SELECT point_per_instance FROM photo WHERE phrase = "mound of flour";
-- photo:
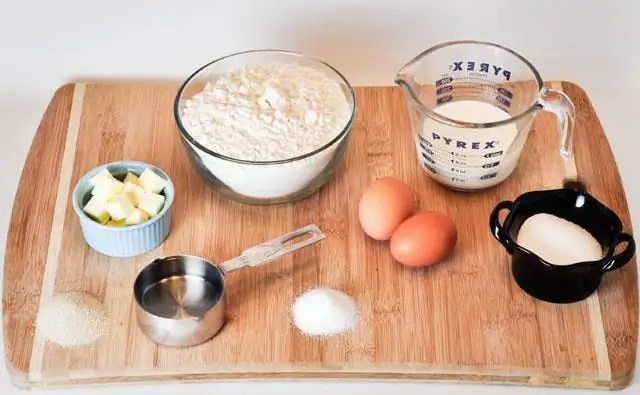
(267, 112)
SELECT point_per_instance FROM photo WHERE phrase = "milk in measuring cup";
(468, 159)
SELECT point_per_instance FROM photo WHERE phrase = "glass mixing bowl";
(263, 182)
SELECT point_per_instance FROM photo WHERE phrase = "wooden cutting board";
(462, 320)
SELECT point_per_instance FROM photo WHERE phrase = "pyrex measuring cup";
(471, 106)
(181, 300)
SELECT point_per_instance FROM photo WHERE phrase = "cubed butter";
(117, 224)
(132, 178)
(137, 217)
(151, 203)
(107, 188)
(96, 208)
(151, 182)
(120, 207)
(133, 191)
(102, 174)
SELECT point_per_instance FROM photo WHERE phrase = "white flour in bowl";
(264, 113)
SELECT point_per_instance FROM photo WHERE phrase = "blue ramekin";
(129, 241)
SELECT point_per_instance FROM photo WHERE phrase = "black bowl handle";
(496, 227)
(621, 259)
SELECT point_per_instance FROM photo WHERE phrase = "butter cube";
(151, 203)
(96, 208)
(120, 207)
(133, 192)
(107, 187)
(132, 178)
(117, 224)
(151, 182)
(102, 174)
(137, 217)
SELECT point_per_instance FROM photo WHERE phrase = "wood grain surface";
(462, 320)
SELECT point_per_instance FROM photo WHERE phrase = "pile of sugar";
(72, 319)
(324, 312)
(267, 112)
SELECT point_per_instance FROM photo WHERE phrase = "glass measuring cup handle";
(274, 249)
(558, 103)
(619, 260)
(496, 227)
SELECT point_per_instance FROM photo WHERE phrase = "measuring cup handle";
(559, 103)
(274, 249)
(619, 260)
(496, 227)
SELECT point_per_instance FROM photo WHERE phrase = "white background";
(44, 44)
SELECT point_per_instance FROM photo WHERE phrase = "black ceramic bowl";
(554, 283)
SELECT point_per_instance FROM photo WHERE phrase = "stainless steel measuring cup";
(180, 300)
(471, 106)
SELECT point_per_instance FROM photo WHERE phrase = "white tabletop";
(44, 44)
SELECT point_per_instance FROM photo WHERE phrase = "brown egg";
(424, 239)
(383, 206)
